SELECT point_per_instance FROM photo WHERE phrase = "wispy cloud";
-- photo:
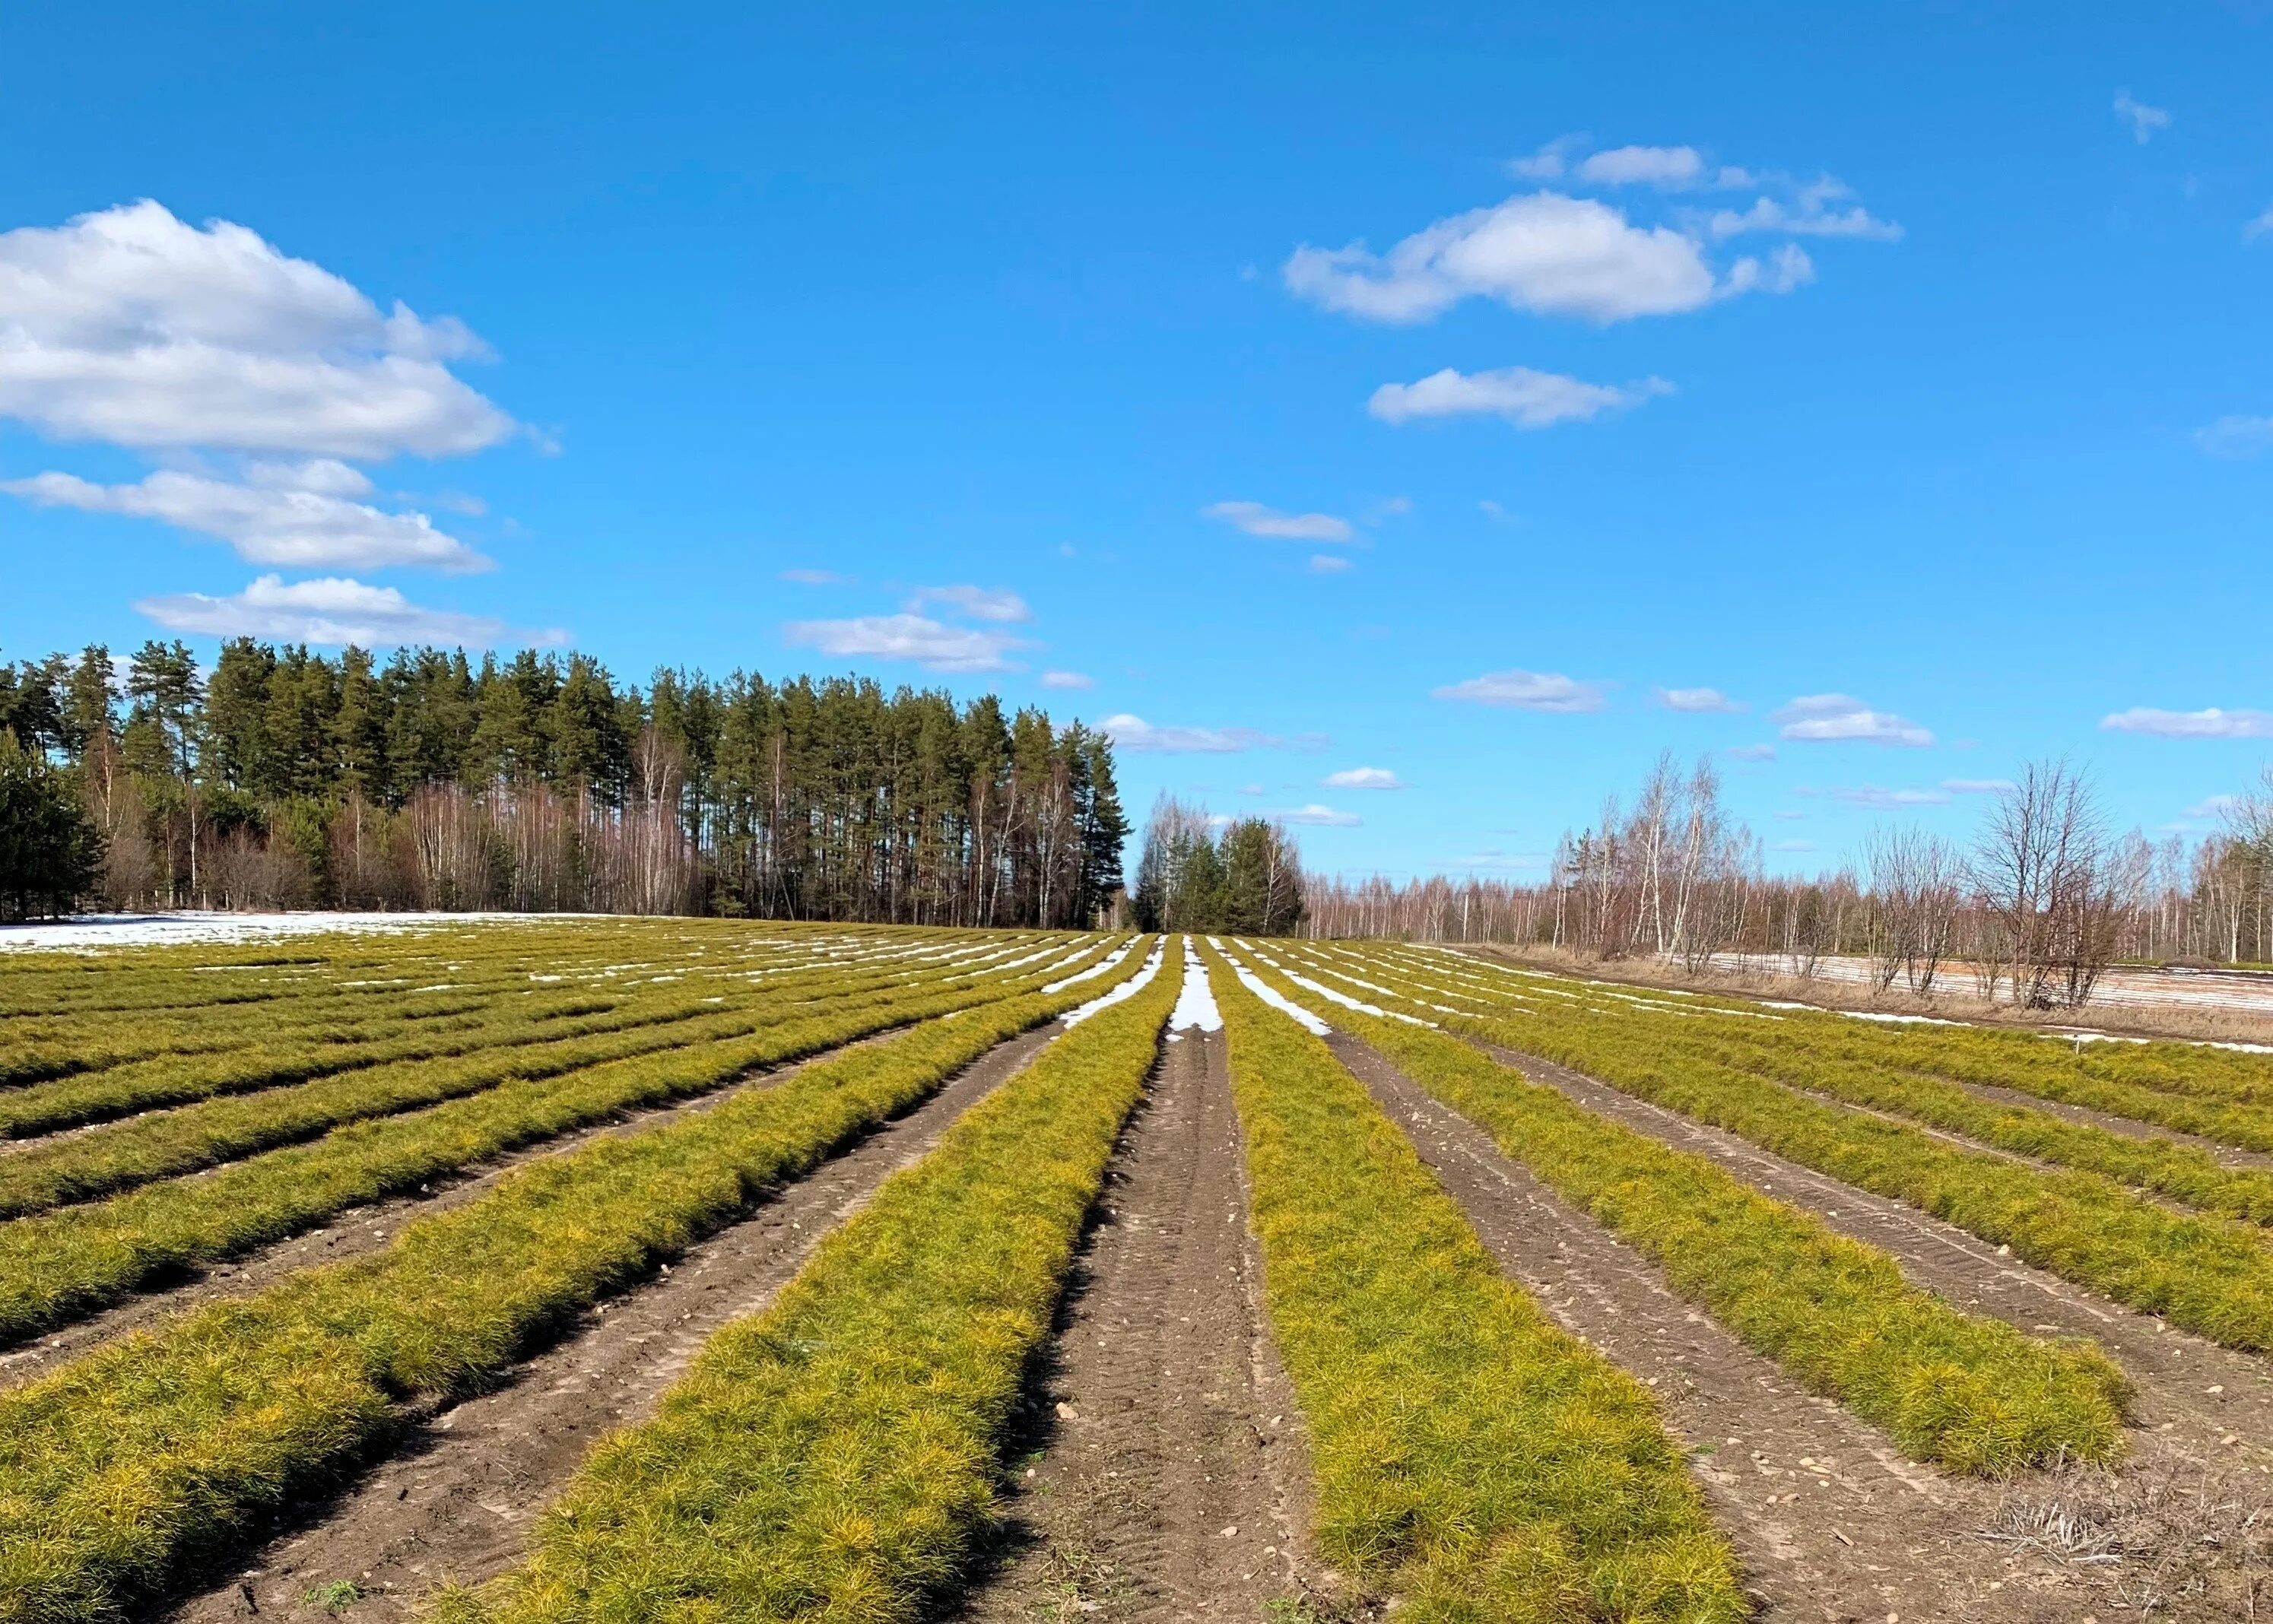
(2236, 436)
(1362, 778)
(2144, 120)
(915, 638)
(1976, 786)
(332, 611)
(1518, 690)
(1526, 398)
(1068, 680)
(1328, 564)
(2210, 724)
(995, 603)
(1134, 733)
(1256, 519)
(1883, 800)
(1831, 718)
(1316, 816)
(1751, 753)
(1697, 701)
(1793, 845)
(816, 577)
(1672, 167)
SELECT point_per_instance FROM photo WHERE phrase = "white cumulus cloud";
(1518, 690)
(1826, 718)
(918, 637)
(1546, 253)
(300, 516)
(1362, 778)
(327, 610)
(2210, 724)
(131, 327)
(1256, 519)
(1526, 398)
(1697, 700)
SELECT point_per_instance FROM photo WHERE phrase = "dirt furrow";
(1169, 1478)
(2130, 1128)
(454, 1499)
(1830, 1520)
(2202, 1414)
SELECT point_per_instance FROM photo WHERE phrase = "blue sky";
(1898, 375)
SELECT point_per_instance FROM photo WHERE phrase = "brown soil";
(1171, 1481)
(456, 1498)
(2202, 1414)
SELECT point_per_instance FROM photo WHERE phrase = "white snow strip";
(1195, 1006)
(1328, 993)
(1098, 969)
(1130, 988)
(1271, 995)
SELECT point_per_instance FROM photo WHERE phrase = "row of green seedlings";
(837, 1454)
(119, 1155)
(2210, 1275)
(1470, 1455)
(144, 1086)
(59, 1266)
(184, 982)
(2189, 1173)
(168, 1445)
(2169, 1084)
(1968, 1393)
(305, 1010)
(1906, 1080)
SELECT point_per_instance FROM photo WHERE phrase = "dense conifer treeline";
(284, 778)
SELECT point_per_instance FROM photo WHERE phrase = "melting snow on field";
(1098, 969)
(1327, 992)
(1272, 996)
(1130, 988)
(1196, 1009)
(100, 930)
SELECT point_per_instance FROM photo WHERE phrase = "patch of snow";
(1195, 1007)
(1305, 1018)
(1130, 988)
(1098, 968)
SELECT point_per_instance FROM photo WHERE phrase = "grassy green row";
(120, 1156)
(62, 1265)
(2210, 1275)
(2185, 1172)
(1889, 1077)
(1470, 1455)
(1969, 1394)
(168, 1445)
(833, 1457)
(530, 1017)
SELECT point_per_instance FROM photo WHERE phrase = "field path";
(456, 1497)
(1856, 1532)
(1171, 1482)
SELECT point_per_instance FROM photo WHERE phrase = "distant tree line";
(1202, 873)
(2032, 911)
(285, 778)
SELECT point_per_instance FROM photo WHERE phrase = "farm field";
(611, 1270)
